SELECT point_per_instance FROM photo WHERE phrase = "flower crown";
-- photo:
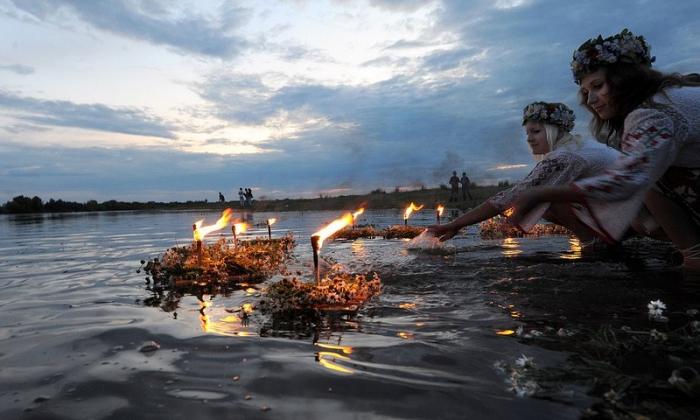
(596, 52)
(550, 113)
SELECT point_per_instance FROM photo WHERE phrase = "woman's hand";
(443, 232)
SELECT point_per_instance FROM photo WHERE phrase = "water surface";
(74, 313)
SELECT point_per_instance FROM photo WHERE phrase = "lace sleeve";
(556, 169)
(650, 145)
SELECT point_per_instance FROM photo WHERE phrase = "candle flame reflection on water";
(511, 247)
(574, 252)
(223, 323)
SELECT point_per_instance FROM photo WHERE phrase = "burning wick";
(438, 212)
(237, 228)
(197, 240)
(357, 213)
(407, 213)
(270, 222)
(318, 238)
(316, 247)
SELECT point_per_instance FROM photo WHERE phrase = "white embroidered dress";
(569, 161)
(656, 136)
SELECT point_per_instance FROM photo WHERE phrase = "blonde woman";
(563, 158)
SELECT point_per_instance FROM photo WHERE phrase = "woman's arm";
(478, 214)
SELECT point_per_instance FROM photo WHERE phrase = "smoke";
(451, 162)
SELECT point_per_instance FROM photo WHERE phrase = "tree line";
(22, 204)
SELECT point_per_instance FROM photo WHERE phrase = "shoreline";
(376, 200)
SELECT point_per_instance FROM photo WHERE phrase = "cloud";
(400, 5)
(150, 21)
(88, 116)
(18, 68)
(450, 97)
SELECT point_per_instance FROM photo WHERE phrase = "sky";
(177, 100)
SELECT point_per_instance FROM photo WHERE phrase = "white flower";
(500, 366)
(656, 335)
(695, 326)
(612, 396)
(565, 333)
(675, 378)
(524, 362)
(535, 333)
(526, 389)
(656, 309)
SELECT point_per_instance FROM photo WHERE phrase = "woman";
(563, 158)
(656, 118)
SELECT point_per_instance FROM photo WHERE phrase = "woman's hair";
(556, 136)
(631, 85)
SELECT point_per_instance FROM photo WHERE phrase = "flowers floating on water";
(498, 228)
(524, 361)
(657, 335)
(402, 232)
(336, 290)
(520, 379)
(220, 263)
(656, 310)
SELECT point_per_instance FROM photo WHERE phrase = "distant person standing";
(241, 197)
(465, 186)
(221, 198)
(454, 183)
(248, 197)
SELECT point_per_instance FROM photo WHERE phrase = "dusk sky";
(177, 100)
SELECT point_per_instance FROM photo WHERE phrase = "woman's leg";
(561, 214)
(678, 225)
(674, 220)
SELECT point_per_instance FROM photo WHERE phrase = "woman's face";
(596, 91)
(536, 137)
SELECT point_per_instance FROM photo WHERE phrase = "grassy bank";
(375, 200)
(390, 200)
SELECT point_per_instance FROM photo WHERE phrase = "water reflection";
(358, 249)
(225, 322)
(511, 247)
(333, 355)
(574, 252)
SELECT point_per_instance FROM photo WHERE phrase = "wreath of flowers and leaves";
(550, 113)
(624, 47)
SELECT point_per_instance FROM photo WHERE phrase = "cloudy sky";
(177, 100)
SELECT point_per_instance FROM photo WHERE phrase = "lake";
(439, 342)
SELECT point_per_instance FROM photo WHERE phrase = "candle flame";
(240, 227)
(410, 209)
(271, 221)
(201, 231)
(440, 209)
(358, 212)
(333, 227)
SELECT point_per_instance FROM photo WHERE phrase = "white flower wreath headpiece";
(624, 47)
(550, 113)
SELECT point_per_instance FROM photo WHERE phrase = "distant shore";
(377, 199)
